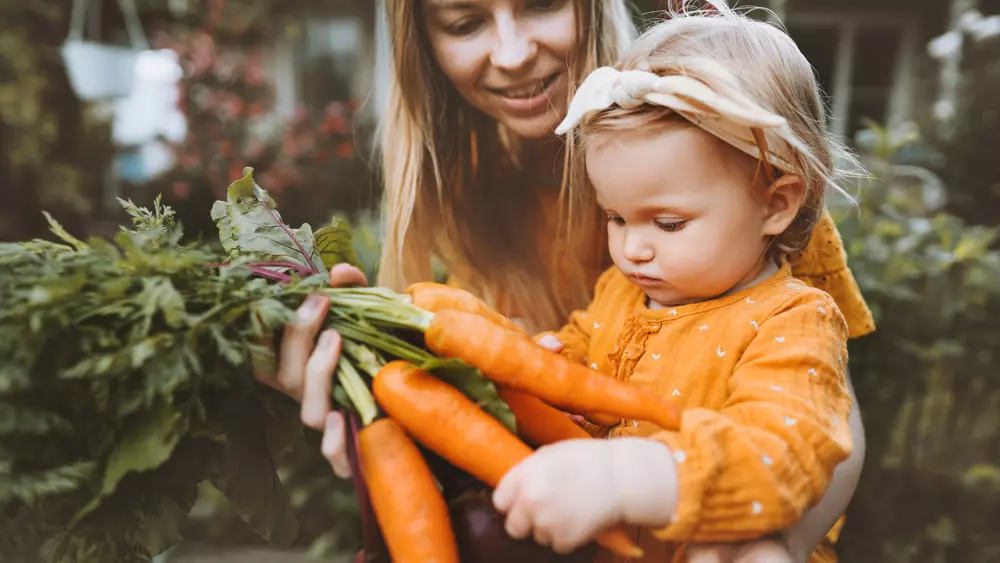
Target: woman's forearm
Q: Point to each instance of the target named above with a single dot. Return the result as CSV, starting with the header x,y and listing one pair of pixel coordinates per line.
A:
x,y
803,537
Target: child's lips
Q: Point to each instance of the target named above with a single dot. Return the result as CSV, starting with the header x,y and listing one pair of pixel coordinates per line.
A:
x,y
643,279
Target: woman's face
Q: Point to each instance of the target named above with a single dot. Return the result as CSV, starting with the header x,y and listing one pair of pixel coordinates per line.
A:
x,y
508,58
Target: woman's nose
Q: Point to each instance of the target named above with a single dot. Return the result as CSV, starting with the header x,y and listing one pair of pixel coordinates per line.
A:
x,y
515,47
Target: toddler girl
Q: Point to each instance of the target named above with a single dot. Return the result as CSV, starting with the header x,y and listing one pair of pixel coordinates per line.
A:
x,y
707,151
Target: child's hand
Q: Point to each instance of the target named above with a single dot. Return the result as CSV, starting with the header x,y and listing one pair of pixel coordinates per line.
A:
x,y
567,493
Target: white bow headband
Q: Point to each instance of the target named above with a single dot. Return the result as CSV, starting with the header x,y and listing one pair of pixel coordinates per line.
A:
x,y
732,121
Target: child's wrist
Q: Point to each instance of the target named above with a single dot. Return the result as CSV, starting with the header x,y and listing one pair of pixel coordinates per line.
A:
x,y
646,475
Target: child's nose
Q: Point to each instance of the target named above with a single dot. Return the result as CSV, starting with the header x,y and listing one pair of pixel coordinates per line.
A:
x,y
637,249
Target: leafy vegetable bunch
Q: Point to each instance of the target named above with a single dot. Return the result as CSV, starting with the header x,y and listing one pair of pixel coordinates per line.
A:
x,y
125,383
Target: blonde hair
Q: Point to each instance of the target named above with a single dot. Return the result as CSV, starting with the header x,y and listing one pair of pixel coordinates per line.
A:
x,y
739,58
452,186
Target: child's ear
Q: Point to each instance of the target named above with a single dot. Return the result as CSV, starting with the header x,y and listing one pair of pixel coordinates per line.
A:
x,y
783,201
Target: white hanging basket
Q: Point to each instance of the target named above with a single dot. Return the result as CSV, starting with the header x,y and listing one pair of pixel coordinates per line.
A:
x,y
98,71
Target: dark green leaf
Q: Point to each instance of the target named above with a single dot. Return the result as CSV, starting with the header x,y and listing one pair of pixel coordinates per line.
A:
x,y
247,474
147,442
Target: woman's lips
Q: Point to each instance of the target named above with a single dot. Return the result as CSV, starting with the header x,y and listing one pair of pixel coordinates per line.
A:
x,y
528,99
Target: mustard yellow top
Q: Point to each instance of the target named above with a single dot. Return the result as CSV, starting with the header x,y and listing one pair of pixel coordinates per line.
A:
x,y
760,375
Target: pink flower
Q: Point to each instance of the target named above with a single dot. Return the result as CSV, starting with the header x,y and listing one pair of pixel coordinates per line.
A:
x,y
181,190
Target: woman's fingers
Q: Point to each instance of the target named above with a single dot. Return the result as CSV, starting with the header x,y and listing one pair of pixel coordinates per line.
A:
x,y
342,275
297,344
334,445
318,384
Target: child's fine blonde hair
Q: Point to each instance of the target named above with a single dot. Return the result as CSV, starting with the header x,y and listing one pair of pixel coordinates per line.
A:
x,y
739,58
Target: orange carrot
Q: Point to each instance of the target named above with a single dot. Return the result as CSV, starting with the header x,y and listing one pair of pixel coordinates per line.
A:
x,y
436,297
601,419
538,423
516,361
409,508
450,424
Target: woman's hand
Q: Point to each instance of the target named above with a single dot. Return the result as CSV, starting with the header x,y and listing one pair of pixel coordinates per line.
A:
x,y
758,551
306,367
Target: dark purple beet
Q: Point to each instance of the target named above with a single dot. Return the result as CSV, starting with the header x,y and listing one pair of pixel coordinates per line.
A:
x,y
481,537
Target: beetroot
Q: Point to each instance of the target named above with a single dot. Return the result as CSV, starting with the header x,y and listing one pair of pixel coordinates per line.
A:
x,y
479,531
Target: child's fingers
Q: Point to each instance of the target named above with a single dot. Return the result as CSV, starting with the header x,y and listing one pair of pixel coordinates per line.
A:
x,y
550,342
542,535
518,523
506,491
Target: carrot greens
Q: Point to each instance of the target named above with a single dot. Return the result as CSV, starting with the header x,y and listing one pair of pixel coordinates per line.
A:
x,y
126,375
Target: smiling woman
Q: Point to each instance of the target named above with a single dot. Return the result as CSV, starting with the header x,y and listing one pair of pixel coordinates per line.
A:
x,y
507,60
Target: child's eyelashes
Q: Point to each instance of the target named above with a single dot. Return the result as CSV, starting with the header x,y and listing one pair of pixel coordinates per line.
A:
x,y
666,225
670,225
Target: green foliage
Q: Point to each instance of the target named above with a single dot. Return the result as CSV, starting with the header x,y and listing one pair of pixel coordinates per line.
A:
x,y
248,223
926,379
52,150
129,365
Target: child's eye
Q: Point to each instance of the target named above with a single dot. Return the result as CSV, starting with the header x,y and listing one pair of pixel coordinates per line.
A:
x,y
670,225
615,219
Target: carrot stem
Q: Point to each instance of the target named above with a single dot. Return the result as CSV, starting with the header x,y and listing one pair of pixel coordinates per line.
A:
x,y
357,391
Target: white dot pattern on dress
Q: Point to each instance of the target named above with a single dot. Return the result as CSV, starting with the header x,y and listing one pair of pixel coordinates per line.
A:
x,y
680,456
756,507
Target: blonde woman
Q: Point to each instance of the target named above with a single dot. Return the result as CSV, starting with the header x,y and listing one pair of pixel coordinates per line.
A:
x,y
475,177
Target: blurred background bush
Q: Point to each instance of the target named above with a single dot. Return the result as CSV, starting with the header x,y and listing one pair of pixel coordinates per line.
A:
x,y
290,88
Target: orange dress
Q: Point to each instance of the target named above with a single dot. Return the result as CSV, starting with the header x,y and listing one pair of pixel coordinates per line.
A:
x,y
823,265
760,376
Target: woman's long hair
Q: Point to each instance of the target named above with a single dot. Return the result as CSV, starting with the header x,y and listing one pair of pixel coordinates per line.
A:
x,y
454,189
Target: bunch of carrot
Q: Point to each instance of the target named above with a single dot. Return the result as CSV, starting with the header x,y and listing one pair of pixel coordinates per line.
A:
x,y
407,502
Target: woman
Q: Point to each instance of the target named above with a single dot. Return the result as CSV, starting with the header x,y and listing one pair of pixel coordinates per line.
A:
x,y
475,177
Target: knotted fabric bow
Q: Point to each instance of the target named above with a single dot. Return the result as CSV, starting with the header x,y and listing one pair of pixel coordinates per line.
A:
x,y
732,121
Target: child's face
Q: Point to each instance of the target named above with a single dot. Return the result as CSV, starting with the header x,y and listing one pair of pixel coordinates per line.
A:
x,y
684,223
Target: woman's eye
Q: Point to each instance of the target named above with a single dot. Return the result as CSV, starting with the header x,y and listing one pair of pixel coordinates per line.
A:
x,y
545,5
466,26
615,219
671,226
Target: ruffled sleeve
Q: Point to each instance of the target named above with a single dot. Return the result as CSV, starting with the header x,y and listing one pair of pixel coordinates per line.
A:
x,y
823,265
